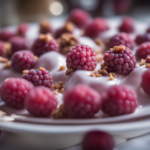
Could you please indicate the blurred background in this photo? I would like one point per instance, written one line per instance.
(15, 11)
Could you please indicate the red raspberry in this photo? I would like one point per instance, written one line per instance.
(148, 30)
(45, 27)
(19, 43)
(14, 90)
(23, 60)
(6, 34)
(142, 38)
(44, 44)
(98, 140)
(121, 39)
(39, 77)
(145, 81)
(79, 17)
(81, 57)
(82, 101)
(40, 102)
(3, 51)
(143, 50)
(127, 25)
(22, 29)
(122, 61)
(148, 59)
(97, 26)
(119, 100)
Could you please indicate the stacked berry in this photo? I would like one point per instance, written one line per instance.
(82, 101)
(119, 100)
(121, 39)
(23, 60)
(142, 38)
(38, 77)
(119, 59)
(81, 57)
(22, 29)
(14, 90)
(44, 44)
(6, 34)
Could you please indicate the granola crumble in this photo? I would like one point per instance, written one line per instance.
(62, 68)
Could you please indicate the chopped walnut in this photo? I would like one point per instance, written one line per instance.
(103, 72)
(92, 74)
(60, 112)
(99, 42)
(46, 37)
(62, 68)
(111, 77)
(113, 74)
(99, 57)
(2, 113)
(116, 49)
(44, 26)
(3, 60)
(59, 87)
(66, 42)
(69, 71)
(69, 27)
(98, 75)
(147, 65)
(7, 65)
(142, 62)
(42, 69)
(103, 66)
(25, 71)
(7, 47)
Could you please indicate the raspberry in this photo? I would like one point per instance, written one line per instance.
(127, 25)
(23, 60)
(38, 77)
(148, 30)
(119, 100)
(81, 57)
(82, 101)
(122, 61)
(143, 50)
(121, 39)
(40, 102)
(22, 29)
(98, 140)
(45, 43)
(97, 26)
(142, 38)
(13, 92)
(45, 27)
(3, 51)
(19, 43)
(148, 59)
(79, 17)
(145, 81)
(6, 34)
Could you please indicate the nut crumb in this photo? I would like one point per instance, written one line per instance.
(111, 77)
(3, 60)
(142, 62)
(117, 48)
(113, 74)
(103, 72)
(60, 112)
(25, 71)
(69, 27)
(98, 75)
(59, 87)
(8, 47)
(7, 65)
(2, 113)
(147, 65)
(92, 74)
(46, 37)
(69, 71)
(62, 68)
(42, 69)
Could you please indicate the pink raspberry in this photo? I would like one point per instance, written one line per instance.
(22, 60)
(148, 30)
(39, 77)
(79, 17)
(143, 50)
(127, 25)
(19, 43)
(81, 57)
(22, 29)
(142, 38)
(121, 39)
(97, 26)
(148, 59)
(6, 34)
(98, 140)
(40, 102)
(3, 51)
(82, 101)
(14, 90)
(121, 61)
(119, 100)
(44, 44)
(145, 81)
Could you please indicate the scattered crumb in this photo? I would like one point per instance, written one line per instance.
(58, 87)
(55, 92)
(92, 74)
(2, 113)
(69, 71)
(103, 72)
(25, 71)
(117, 48)
(99, 57)
(98, 75)
(103, 66)
(69, 26)
(60, 112)
(142, 62)
(42, 69)
(7, 65)
(111, 77)
(113, 74)
(46, 37)
(36, 58)
(3, 60)
(147, 65)
(62, 68)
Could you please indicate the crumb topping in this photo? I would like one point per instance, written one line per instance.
(116, 49)
(103, 72)
(44, 24)
(46, 37)
(142, 62)
(7, 47)
(98, 75)
(42, 69)
(3, 60)
(2, 113)
(62, 68)
(69, 71)
(111, 77)
(7, 65)
(59, 87)
(60, 112)
(69, 26)
(25, 71)
(92, 74)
